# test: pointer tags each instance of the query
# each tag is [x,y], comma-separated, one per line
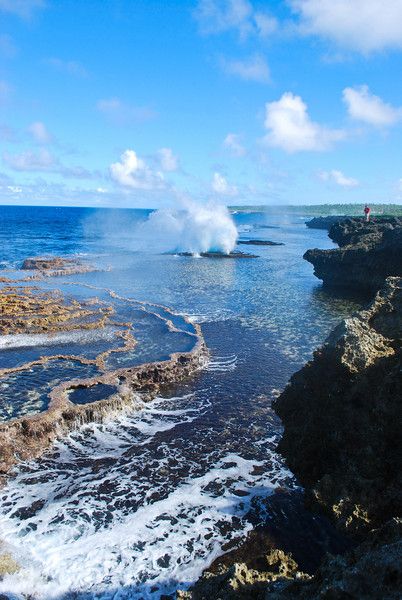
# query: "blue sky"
[143,102]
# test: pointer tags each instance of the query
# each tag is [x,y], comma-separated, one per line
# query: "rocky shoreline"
[29,312]
[341,414]
[368,253]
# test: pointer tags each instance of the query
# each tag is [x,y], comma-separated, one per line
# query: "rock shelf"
[27,311]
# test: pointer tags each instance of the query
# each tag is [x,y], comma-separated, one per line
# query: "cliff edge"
[368,254]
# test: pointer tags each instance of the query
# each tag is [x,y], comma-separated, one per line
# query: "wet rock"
[368,253]
[26,310]
[260,243]
[227,580]
[56,265]
[342,414]
[372,571]
[221,255]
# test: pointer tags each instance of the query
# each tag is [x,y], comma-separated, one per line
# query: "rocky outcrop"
[324,222]
[368,253]
[56,265]
[371,571]
[342,413]
[244,575]
[28,437]
[260,243]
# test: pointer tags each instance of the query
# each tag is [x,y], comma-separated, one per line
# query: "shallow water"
[140,505]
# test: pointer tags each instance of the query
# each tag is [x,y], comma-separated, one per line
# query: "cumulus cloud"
[21,8]
[219,16]
[221,186]
[290,127]
[254,68]
[133,172]
[361,25]
[71,67]
[364,106]
[39,133]
[338,178]
[233,144]
[121,113]
[168,161]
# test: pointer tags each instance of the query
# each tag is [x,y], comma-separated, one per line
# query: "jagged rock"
[342,413]
[240,580]
[368,253]
[324,222]
[371,571]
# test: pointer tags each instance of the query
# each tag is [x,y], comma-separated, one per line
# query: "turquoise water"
[140,505]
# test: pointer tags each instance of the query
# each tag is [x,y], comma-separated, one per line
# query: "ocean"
[139,505]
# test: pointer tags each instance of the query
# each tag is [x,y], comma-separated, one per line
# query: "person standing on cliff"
[367,210]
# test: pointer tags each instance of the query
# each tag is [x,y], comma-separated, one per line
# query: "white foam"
[81,336]
[137,525]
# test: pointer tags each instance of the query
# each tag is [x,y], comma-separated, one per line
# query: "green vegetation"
[325,209]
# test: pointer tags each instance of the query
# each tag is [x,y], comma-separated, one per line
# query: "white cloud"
[121,113]
[168,161]
[39,133]
[219,16]
[338,178]
[221,186]
[254,68]
[233,144]
[290,127]
[133,172]
[362,25]
[21,8]
[364,106]
[71,67]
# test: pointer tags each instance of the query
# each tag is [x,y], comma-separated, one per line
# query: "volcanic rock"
[342,413]
[368,253]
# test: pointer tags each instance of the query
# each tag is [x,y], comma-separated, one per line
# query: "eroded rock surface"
[372,571]
[368,253]
[29,310]
[56,265]
[324,222]
[342,413]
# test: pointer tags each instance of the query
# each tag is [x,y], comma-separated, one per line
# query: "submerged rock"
[368,253]
[342,413]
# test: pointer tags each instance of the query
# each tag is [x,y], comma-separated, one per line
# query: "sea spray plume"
[195,228]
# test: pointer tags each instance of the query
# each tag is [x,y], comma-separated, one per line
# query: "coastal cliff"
[341,414]
[368,254]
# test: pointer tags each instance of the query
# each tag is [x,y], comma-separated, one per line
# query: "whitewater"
[139,505]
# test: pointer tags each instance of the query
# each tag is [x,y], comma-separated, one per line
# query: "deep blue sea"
[140,505]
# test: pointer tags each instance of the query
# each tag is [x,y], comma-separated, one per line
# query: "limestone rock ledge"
[342,414]
[368,253]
